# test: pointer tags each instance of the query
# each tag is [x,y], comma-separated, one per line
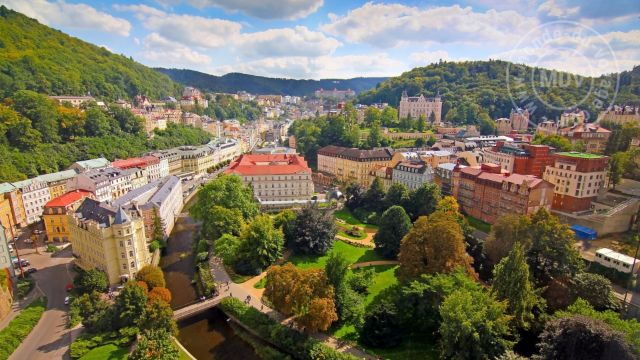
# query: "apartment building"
[35,194]
[443,177]
[15,217]
[196,160]
[525,159]
[412,174]
[275,178]
[75,101]
[91,164]
[578,179]
[57,181]
[487,193]
[162,197]
[154,168]
[6,264]
[593,136]
[350,164]
[172,158]
[110,239]
[55,214]
[434,158]
[416,106]
[384,173]
[547,128]
[106,184]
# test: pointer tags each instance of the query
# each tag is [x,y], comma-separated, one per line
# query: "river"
[207,335]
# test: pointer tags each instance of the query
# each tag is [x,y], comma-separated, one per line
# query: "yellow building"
[112,240]
[57,182]
[11,196]
[352,165]
[197,160]
[54,216]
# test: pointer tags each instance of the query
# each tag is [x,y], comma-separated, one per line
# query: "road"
[50,339]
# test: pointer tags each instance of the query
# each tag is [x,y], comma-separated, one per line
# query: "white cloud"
[186,29]
[590,12]
[298,41]
[388,25]
[424,58]
[266,9]
[300,67]
[75,16]
[160,51]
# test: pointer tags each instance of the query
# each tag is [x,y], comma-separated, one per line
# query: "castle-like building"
[518,121]
[414,106]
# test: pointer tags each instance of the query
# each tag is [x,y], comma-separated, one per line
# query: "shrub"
[152,275]
[299,345]
[202,256]
[205,282]
[24,286]
[20,327]
[202,246]
[52,248]
[155,245]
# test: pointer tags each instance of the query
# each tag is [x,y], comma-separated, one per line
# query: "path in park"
[241,292]
[374,263]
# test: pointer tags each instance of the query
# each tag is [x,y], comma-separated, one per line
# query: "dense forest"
[234,82]
[39,58]
[37,135]
[472,88]
[223,107]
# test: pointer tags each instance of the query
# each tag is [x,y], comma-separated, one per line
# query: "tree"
[581,337]
[382,327]
[505,232]
[594,288]
[314,231]
[261,245]
[155,345]
[375,136]
[307,294]
[394,225]
[435,244]
[130,305]
[421,124]
[432,140]
[286,221]
[349,305]
[616,167]
[336,269]
[221,220]
[556,141]
[355,195]
[487,126]
[423,200]
[371,115]
[226,191]
[41,111]
[91,280]
[474,326]
[227,248]
[374,196]
[97,123]
[511,283]
[419,300]
[160,293]
[398,194]
[96,313]
[158,229]
[158,315]
[389,117]
[152,275]
[552,252]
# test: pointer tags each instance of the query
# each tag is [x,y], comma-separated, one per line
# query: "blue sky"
[327,38]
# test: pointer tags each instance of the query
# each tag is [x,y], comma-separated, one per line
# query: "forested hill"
[470,88]
[234,82]
[36,57]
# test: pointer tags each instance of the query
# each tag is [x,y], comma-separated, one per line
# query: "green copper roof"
[580,155]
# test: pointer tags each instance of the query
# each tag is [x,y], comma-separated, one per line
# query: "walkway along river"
[207,335]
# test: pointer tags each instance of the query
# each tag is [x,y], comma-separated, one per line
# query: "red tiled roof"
[135,162]
[68,198]
[268,164]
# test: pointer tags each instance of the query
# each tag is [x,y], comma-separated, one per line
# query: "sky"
[313,39]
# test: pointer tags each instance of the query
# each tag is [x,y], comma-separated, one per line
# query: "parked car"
[69,287]
[31,270]
[24,262]
[67,299]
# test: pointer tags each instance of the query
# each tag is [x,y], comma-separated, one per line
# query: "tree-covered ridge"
[471,88]
[39,58]
[234,82]
[37,135]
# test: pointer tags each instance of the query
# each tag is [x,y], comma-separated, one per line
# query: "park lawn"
[410,348]
[345,215]
[236,278]
[354,254]
[106,352]
[478,224]
[261,283]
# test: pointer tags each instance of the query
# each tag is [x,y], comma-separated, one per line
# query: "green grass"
[236,278]
[353,254]
[345,215]
[261,283]
[181,354]
[478,224]
[20,327]
[410,348]
[106,352]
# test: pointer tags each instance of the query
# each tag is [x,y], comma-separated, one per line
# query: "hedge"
[296,343]
[20,327]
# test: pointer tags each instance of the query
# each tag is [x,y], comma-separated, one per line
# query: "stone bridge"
[195,308]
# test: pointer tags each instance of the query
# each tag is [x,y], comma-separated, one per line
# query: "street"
[50,339]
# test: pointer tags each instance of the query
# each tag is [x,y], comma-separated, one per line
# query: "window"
[122,255]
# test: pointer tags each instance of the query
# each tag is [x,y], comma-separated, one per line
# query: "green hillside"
[234,82]
[39,58]
[471,88]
